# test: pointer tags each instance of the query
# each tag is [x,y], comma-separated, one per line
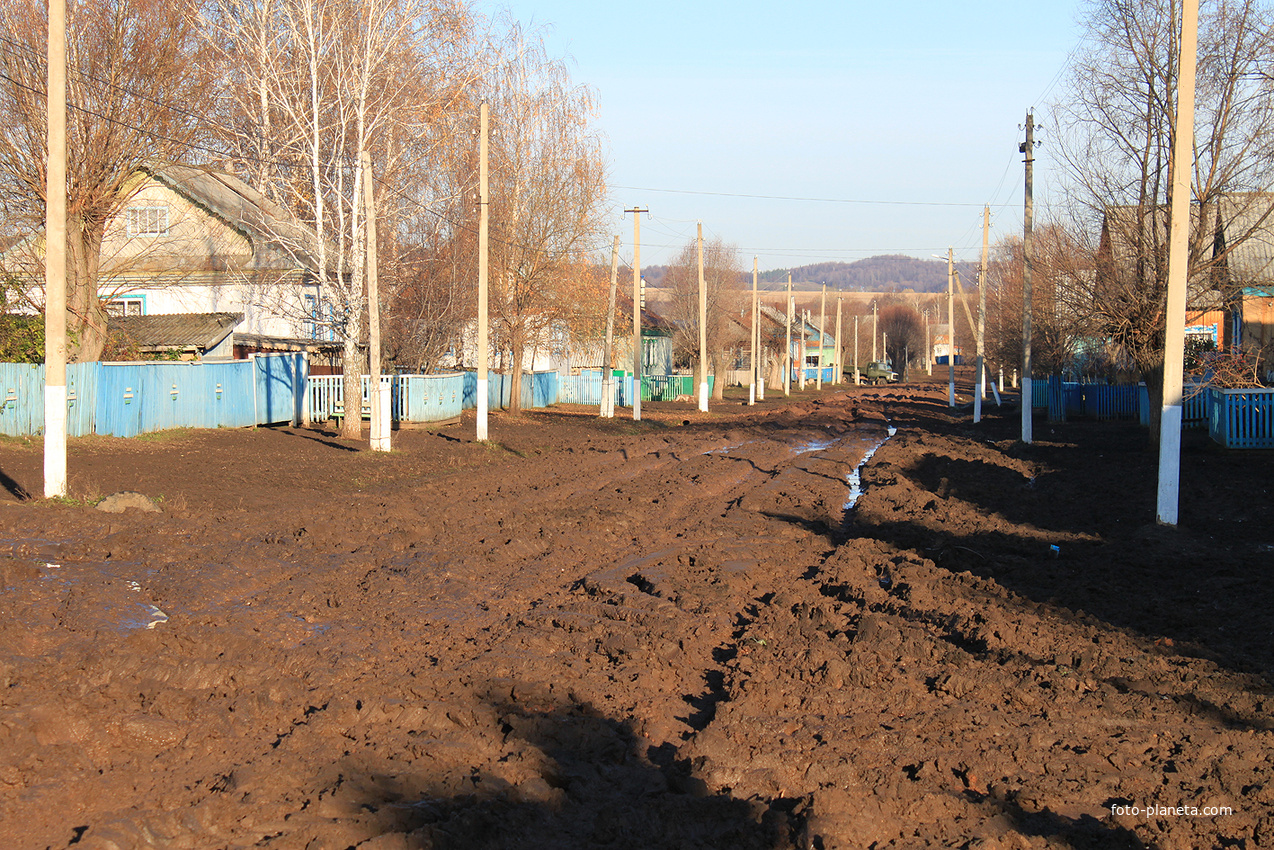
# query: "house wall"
[1209,323]
[1258,327]
[269,308]
[193,238]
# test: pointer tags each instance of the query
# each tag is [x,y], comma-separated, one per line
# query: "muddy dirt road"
[687,632]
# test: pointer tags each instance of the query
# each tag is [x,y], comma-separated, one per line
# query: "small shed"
[191,336]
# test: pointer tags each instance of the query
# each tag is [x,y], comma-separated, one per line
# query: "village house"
[191,241]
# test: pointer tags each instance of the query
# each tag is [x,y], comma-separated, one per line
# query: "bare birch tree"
[325,82]
[547,193]
[723,280]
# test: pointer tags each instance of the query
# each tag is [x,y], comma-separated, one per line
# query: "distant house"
[191,241]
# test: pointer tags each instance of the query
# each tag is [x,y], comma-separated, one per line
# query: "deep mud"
[661,634]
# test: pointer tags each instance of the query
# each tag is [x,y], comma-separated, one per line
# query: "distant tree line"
[883,273]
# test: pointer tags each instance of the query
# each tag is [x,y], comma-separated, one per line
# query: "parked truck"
[878,372]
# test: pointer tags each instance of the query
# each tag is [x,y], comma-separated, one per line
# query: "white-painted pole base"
[752,394]
[482,408]
[54,441]
[380,440]
[608,399]
[1169,464]
[635,383]
[703,396]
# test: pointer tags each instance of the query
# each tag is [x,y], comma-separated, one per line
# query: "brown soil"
[669,633]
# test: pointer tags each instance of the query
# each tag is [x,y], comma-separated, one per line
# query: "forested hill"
[874,274]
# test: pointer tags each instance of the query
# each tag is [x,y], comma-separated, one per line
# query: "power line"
[798,198]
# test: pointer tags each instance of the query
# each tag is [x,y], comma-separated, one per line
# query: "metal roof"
[199,331]
[279,241]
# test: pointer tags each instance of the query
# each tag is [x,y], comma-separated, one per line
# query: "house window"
[311,316]
[148,221]
[125,307]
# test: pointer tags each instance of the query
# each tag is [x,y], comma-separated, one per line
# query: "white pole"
[840,351]
[703,331]
[1178,270]
[950,329]
[822,324]
[787,352]
[608,365]
[858,378]
[980,391]
[483,251]
[55,260]
[756,369]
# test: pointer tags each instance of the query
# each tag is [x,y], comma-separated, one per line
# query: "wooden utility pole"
[840,349]
[608,364]
[950,328]
[484,250]
[380,395]
[787,352]
[1168,499]
[801,366]
[636,211]
[756,334]
[822,325]
[703,331]
[1028,148]
[873,332]
[858,378]
[928,347]
[55,260]
[980,392]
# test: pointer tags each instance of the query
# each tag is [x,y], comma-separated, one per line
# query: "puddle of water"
[816,445]
[855,477]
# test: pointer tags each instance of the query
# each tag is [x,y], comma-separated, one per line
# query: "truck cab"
[878,371]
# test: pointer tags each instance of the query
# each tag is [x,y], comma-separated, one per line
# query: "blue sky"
[916,102]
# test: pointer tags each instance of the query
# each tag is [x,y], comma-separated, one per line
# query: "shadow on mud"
[1081,535]
[15,489]
[579,781]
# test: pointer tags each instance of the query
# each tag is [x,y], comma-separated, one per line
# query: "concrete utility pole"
[756,334]
[484,250]
[873,332]
[840,350]
[950,328]
[636,211]
[1028,148]
[822,325]
[787,352]
[1168,500]
[379,391]
[801,367]
[703,331]
[929,348]
[608,364]
[858,378]
[55,260]
[980,393]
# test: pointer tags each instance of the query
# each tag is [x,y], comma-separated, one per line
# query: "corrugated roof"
[200,331]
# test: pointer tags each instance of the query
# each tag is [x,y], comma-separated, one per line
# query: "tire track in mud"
[669,639]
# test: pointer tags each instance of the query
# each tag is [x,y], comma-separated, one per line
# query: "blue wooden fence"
[1242,419]
[1114,401]
[127,399]
[586,388]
